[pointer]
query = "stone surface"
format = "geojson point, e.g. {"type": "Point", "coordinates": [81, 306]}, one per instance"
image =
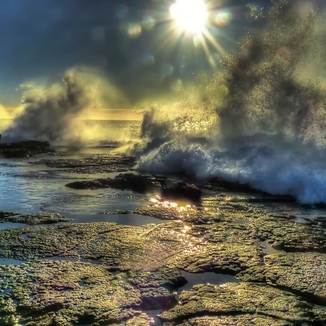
{"type": "Point", "coordinates": [32, 219]}
{"type": "Point", "coordinates": [289, 235]}
{"type": "Point", "coordinates": [301, 273]}
{"type": "Point", "coordinates": [25, 149]}
{"type": "Point", "coordinates": [238, 320]}
{"type": "Point", "coordinates": [138, 183]}
{"type": "Point", "coordinates": [224, 233]}
{"type": "Point", "coordinates": [221, 246]}
{"type": "Point", "coordinates": [175, 245]}
{"type": "Point", "coordinates": [68, 293]}
{"type": "Point", "coordinates": [237, 302]}
{"type": "Point", "coordinates": [211, 209]}
{"type": "Point", "coordinates": [74, 293]}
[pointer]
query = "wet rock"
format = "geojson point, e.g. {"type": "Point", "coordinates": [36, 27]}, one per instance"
{"type": "Point", "coordinates": [72, 293]}
{"type": "Point", "coordinates": [244, 319]}
{"type": "Point", "coordinates": [236, 302]}
{"type": "Point", "coordinates": [139, 183]}
{"type": "Point", "coordinates": [300, 273]}
{"type": "Point", "coordinates": [92, 184]}
{"type": "Point", "coordinates": [25, 149]}
{"type": "Point", "coordinates": [319, 317]}
{"type": "Point", "coordinates": [100, 163]}
{"type": "Point", "coordinates": [122, 181]}
{"type": "Point", "coordinates": [5, 215]}
{"type": "Point", "coordinates": [233, 246]}
{"type": "Point", "coordinates": [210, 210]}
{"type": "Point", "coordinates": [173, 245]}
{"type": "Point", "coordinates": [157, 210]}
{"type": "Point", "coordinates": [32, 219]}
{"type": "Point", "coordinates": [155, 288]}
{"type": "Point", "coordinates": [218, 184]}
{"type": "Point", "coordinates": [284, 234]}
{"type": "Point", "coordinates": [166, 210]}
{"type": "Point", "coordinates": [167, 277]}
{"type": "Point", "coordinates": [181, 189]}
{"type": "Point", "coordinates": [66, 293]}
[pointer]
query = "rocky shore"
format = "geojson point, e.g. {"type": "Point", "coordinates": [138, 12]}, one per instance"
{"type": "Point", "coordinates": [109, 274]}
{"type": "Point", "coordinates": [103, 273]}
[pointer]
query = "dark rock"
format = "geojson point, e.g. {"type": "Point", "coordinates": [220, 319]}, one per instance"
{"type": "Point", "coordinates": [92, 184]}
{"type": "Point", "coordinates": [25, 149]}
{"type": "Point", "coordinates": [221, 184]}
{"type": "Point", "coordinates": [139, 183]}
{"type": "Point", "coordinates": [180, 190]}
{"type": "Point", "coordinates": [4, 216]}
{"type": "Point", "coordinates": [135, 182]}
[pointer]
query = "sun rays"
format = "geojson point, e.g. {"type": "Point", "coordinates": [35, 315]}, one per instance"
{"type": "Point", "coordinates": [194, 20]}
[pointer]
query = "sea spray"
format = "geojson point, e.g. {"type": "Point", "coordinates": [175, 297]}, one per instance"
{"type": "Point", "coordinates": [270, 85]}
{"type": "Point", "coordinates": [270, 126]}
{"type": "Point", "coordinates": [51, 112]}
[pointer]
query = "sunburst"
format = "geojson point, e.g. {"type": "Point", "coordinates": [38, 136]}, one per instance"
{"type": "Point", "coordinates": [194, 18]}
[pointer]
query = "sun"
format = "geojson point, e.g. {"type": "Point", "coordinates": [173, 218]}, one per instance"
{"type": "Point", "coordinates": [190, 15]}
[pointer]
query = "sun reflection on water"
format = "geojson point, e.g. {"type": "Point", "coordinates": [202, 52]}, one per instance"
{"type": "Point", "coordinates": [183, 209]}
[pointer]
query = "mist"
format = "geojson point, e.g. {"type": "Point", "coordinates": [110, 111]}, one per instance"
{"type": "Point", "coordinates": [50, 113]}
{"type": "Point", "coordinates": [268, 129]}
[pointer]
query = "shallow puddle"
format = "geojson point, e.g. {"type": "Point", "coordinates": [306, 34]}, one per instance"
{"type": "Point", "coordinates": [269, 250]}
{"type": "Point", "coordinates": [155, 320]}
{"type": "Point", "coordinates": [11, 261]}
{"type": "Point", "coordinates": [206, 278]}
{"type": "Point", "coordinates": [10, 225]}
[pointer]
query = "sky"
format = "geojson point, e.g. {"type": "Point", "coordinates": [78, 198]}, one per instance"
{"type": "Point", "coordinates": [134, 42]}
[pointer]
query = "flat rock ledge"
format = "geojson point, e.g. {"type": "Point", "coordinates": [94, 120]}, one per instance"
{"type": "Point", "coordinates": [32, 219]}
{"type": "Point", "coordinates": [25, 149]}
{"type": "Point", "coordinates": [64, 293]}
{"type": "Point", "coordinates": [168, 188]}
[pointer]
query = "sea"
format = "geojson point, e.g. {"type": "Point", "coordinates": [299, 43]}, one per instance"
{"type": "Point", "coordinates": [28, 186]}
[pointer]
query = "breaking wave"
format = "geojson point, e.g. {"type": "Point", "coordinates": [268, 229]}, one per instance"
{"type": "Point", "coordinates": [262, 121]}
{"type": "Point", "coordinates": [53, 113]}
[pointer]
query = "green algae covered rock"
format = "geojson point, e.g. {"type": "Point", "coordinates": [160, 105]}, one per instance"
{"type": "Point", "coordinates": [289, 235]}
{"type": "Point", "coordinates": [301, 273]}
{"type": "Point", "coordinates": [221, 304]}
{"type": "Point", "coordinates": [70, 293]}
{"type": "Point", "coordinates": [136, 269]}
{"type": "Point", "coordinates": [239, 320]}
{"type": "Point", "coordinates": [146, 248]}
{"type": "Point", "coordinates": [32, 219]}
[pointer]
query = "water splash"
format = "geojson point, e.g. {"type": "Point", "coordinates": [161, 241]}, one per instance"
{"type": "Point", "coordinates": [269, 104]}
{"type": "Point", "coordinates": [50, 112]}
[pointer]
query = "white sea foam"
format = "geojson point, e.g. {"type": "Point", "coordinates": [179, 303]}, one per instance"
{"type": "Point", "coordinates": [270, 131]}
{"type": "Point", "coordinates": [277, 169]}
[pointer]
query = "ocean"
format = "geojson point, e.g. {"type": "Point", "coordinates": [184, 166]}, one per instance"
{"type": "Point", "coordinates": [30, 186]}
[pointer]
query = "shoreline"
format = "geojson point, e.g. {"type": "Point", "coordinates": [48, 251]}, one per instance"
{"type": "Point", "coordinates": [157, 257]}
